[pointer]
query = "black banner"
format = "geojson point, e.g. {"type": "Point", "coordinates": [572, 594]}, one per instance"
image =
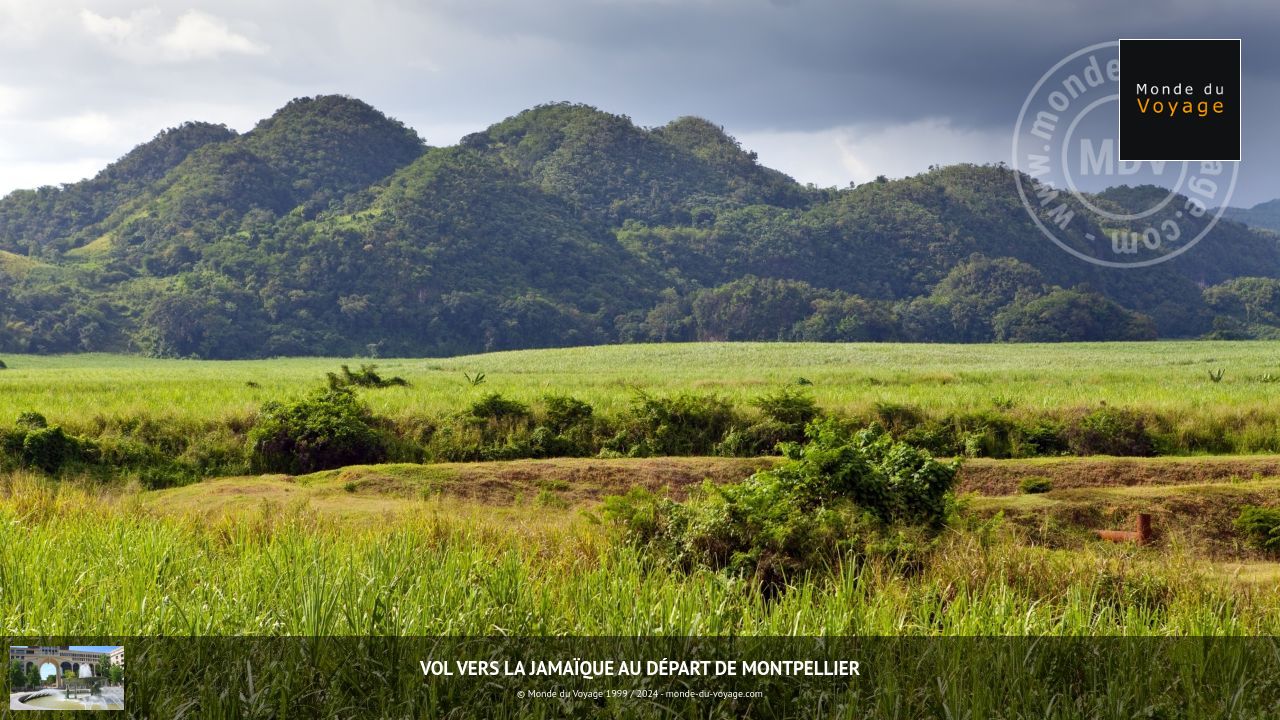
{"type": "Point", "coordinates": [868, 677]}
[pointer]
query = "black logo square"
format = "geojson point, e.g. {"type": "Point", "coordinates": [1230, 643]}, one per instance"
{"type": "Point", "coordinates": [1179, 100]}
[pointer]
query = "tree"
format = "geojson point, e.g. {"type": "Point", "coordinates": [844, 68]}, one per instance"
{"type": "Point", "coordinates": [104, 668]}
{"type": "Point", "coordinates": [1071, 316]}
{"type": "Point", "coordinates": [753, 309]}
{"type": "Point", "coordinates": [17, 676]}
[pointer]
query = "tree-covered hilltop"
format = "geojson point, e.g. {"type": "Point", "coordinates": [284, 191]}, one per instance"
{"type": "Point", "coordinates": [330, 228]}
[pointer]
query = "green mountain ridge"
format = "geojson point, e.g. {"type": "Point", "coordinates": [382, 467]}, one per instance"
{"type": "Point", "coordinates": [1265, 215]}
{"type": "Point", "coordinates": [332, 229]}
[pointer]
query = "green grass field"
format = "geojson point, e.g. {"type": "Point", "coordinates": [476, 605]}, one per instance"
{"type": "Point", "coordinates": [1171, 377]}
{"type": "Point", "coordinates": [175, 562]}
{"type": "Point", "coordinates": [519, 547]}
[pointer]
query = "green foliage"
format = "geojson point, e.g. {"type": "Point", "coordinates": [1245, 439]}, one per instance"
{"type": "Point", "coordinates": [104, 668]}
{"type": "Point", "coordinates": [683, 424]}
{"type": "Point", "coordinates": [565, 413]}
{"type": "Point", "coordinates": [839, 493]}
{"type": "Point", "coordinates": [31, 420]}
{"type": "Point", "coordinates": [36, 444]}
{"type": "Point", "coordinates": [784, 415]}
{"type": "Point", "coordinates": [495, 407]}
{"type": "Point", "coordinates": [1035, 484]}
{"type": "Point", "coordinates": [1109, 431]}
{"type": "Point", "coordinates": [324, 430]}
{"type": "Point", "coordinates": [1071, 316]}
{"type": "Point", "coordinates": [31, 220]}
{"type": "Point", "coordinates": [1261, 527]}
{"type": "Point", "coordinates": [48, 448]}
{"type": "Point", "coordinates": [788, 406]}
{"type": "Point", "coordinates": [329, 229]}
{"type": "Point", "coordinates": [366, 377]}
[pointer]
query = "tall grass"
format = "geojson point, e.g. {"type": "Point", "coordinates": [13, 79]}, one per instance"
{"type": "Point", "coordinates": [74, 561]}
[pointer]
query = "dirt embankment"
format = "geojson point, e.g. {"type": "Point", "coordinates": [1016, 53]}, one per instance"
{"type": "Point", "coordinates": [1001, 477]}
{"type": "Point", "coordinates": [576, 480]}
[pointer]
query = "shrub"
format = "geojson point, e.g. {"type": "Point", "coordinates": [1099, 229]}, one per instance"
{"type": "Point", "coordinates": [898, 417]}
{"type": "Point", "coordinates": [1109, 431]}
{"type": "Point", "coordinates": [11, 446]}
{"type": "Point", "coordinates": [785, 415]}
{"type": "Point", "coordinates": [760, 438]}
{"type": "Point", "coordinates": [32, 420]}
{"type": "Point", "coordinates": [985, 434]}
{"type": "Point", "coordinates": [495, 407]}
{"type": "Point", "coordinates": [1043, 436]}
{"type": "Point", "coordinates": [565, 413]}
{"type": "Point", "coordinates": [1260, 527]}
{"type": "Point", "coordinates": [366, 376]}
{"type": "Point", "coordinates": [1035, 484]}
{"type": "Point", "coordinates": [837, 493]}
{"type": "Point", "coordinates": [328, 429]}
{"type": "Point", "coordinates": [788, 406]}
{"type": "Point", "coordinates": [49, 448]}
{"type": "Point", "coordinates": [684, 424]}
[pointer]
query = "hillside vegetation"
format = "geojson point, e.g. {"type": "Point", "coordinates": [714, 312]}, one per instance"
{"type": "Point", "coordinates": [166, 422]}
{"type": "Point", "coordinates": [332, 229]}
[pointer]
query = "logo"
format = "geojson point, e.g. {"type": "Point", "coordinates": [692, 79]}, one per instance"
{"type": "Point", "coordinates": [1101, 209]}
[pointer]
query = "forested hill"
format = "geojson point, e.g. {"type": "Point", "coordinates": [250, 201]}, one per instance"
{"type": "Point", "coordinates": [1263, 215]}
{"type": "Point", "coordinates": [331, 229]}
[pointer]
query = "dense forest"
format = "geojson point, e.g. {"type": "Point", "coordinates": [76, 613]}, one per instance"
{"type": "Point", "coordinates": [332, 229]}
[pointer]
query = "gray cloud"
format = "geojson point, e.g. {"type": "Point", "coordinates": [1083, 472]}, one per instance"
{"type": "Point", "coordinates": [839, 82]}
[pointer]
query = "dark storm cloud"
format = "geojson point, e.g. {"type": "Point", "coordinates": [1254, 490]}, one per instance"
{"type": "Point", "coordinates": [88, 79]}
{"type": "Point", "coordinates": [810, 65]}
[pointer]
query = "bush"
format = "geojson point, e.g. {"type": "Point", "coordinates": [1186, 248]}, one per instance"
{"type": "Point", "coordinates": [898, 417]}
{"type": "Point", "coordinates": [840, 492]}
{"type": "Point", "coordinates": [786, 413]}
{"type": "Point", "coordinates": [1109, 431]}
{"type": "Point", "coordinates": [495, 407]}
{"type": "Point", "coordinates": [1260, 527]}
{"type": "Point", "coordinates": [761, 438]}
{"type": "Point", "coordinates": [34, 443]}
{"type": "Point", "coordinates": [366, 376]}
{"type": "Point", "coordinates": [789, 407]}
{"type": "Point", "coordinates": [1035, 484]}
{"type": "Point", "coordinates": [328, 429]}
{"type": "Point", "coordinates": [50, 448]}
{"type": "Point", "coordinates": [684, 424]}
{"type": "Point", "coordinates": [565, 413]}
{"type": "Point", "coordinates": [1043, 436]}
{"type": "Point", "coordinates": [32, 420]}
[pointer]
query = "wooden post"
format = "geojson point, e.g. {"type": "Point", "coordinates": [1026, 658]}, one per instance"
{"type": "Point", "coordinates": [1144, 528]}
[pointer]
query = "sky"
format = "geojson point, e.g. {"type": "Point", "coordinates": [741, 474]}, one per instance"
{"type": "Point", "coordinates": [828, 91]}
